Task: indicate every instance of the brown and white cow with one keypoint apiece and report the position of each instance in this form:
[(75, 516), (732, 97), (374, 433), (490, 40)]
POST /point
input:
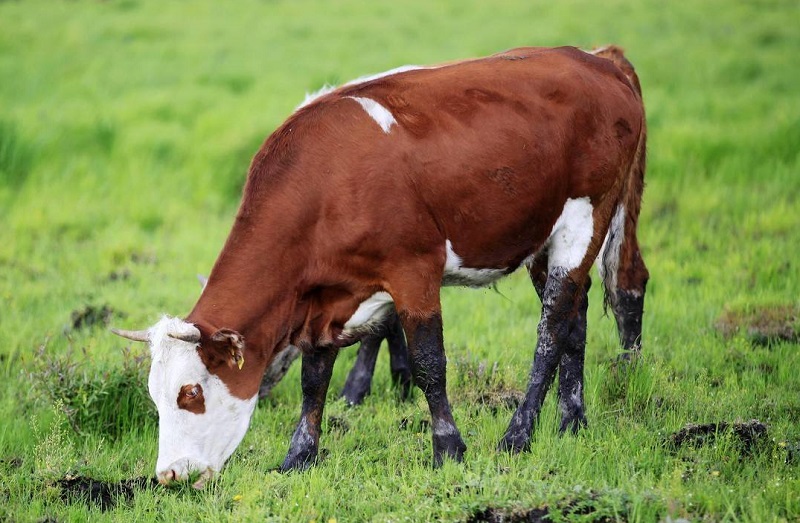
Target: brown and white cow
[(372, 196)]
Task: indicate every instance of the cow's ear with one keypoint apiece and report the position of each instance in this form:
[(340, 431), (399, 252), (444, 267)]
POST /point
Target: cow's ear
[(231, 345)]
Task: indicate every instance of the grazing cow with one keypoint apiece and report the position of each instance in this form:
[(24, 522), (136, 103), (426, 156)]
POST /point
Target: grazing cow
[(461, 174)]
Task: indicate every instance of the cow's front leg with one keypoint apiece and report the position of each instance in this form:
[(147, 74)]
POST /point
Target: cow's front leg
[(315, 378), (428, 364), (558, 300), (570, 371)]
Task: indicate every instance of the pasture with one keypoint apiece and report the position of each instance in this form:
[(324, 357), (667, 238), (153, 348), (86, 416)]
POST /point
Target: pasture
[(126, 129)]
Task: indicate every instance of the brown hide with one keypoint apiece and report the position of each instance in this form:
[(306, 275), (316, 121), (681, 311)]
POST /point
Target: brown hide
[(484, 153)]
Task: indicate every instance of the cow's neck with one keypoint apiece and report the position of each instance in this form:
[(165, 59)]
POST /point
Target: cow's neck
[(252, 289)]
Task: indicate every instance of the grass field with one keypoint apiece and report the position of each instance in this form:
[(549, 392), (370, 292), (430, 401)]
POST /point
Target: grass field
[(126, 128)]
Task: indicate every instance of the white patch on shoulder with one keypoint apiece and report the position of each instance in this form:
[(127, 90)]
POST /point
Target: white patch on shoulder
[(369, 312), (379, 113), (456, 274), (571, 234)]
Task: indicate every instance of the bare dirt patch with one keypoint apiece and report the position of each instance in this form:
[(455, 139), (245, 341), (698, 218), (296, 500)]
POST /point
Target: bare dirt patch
[(493, 515), (748, 433), (500, 399), (90, 316), (337, 424), (586, 509), (762, 325), (104, 495)]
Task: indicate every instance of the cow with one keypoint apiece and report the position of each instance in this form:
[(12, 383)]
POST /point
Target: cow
[(372, 196)]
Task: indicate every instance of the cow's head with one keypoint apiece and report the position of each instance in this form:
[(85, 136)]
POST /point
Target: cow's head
[(200, 423)]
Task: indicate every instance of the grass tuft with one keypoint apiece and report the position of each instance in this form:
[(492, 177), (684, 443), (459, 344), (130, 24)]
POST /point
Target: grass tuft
[(109, 403), (16, 156)]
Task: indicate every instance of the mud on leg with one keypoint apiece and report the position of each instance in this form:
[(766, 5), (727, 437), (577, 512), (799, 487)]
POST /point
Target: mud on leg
[(558, 300)]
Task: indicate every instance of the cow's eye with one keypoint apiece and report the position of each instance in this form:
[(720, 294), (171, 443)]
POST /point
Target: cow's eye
[(190, 398)]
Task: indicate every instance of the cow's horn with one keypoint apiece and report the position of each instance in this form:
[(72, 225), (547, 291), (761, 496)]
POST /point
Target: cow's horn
[(191, 337), (133, 335)]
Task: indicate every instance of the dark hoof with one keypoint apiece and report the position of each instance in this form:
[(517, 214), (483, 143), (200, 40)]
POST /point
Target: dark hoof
[(357, 387), (514, 443), (572, 424), (450, 446), (299, 461), (354, 397)]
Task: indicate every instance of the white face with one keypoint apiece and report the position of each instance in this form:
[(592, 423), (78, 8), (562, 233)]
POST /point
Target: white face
[(200, 423)]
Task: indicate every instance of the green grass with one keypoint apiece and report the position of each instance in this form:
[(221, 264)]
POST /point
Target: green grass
[(126, 128)]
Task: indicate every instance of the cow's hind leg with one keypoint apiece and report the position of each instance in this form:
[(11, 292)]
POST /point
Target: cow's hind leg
[(359, 380), (570, 370), (558, 308), (398, 352), (570, 380), (315, 378)]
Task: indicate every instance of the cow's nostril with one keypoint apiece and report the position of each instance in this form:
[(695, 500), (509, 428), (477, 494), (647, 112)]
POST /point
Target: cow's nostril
[(165, 478)]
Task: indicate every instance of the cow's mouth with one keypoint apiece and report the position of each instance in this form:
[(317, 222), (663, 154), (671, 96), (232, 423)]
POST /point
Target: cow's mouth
[(180, 471)]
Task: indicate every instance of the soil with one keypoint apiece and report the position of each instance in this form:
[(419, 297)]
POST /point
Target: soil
[(763, 325), (501, 399), (90, 316), (748, 433), (583, 509), (101, 494), (493, 515), (337, 424)]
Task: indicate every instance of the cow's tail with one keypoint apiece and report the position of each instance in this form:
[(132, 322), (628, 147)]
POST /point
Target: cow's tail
[(617, 55), (621, 266)]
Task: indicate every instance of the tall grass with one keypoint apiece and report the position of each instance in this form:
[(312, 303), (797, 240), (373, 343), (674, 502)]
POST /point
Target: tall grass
[(16, 156)]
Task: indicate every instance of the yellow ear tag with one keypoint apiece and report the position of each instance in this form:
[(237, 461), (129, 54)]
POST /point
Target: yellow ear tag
[(238, 358)]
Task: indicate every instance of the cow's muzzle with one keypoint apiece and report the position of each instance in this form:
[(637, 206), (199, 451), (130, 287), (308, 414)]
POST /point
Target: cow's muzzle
[(179, 471)]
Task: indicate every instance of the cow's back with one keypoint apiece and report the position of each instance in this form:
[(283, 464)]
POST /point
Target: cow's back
[(480, 152)]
